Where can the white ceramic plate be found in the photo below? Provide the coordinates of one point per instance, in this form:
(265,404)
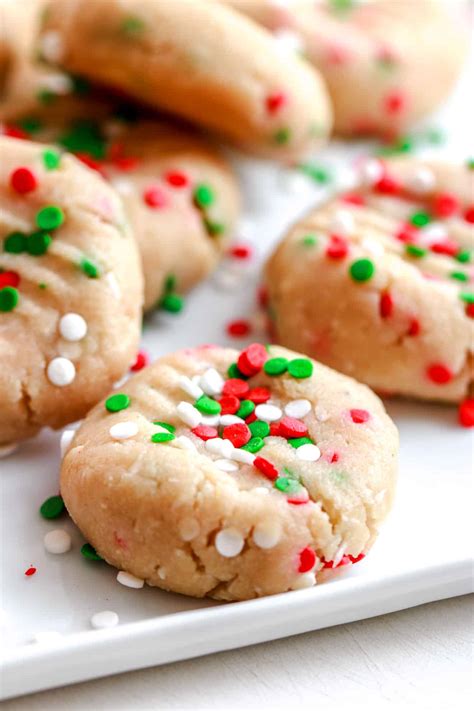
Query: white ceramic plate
(424,552)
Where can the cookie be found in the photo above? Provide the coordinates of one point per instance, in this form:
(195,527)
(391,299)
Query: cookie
(378,283)
(199,60)
(377,58)
(70,289)
(233,476)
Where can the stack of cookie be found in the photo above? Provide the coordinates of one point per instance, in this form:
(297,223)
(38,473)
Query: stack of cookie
(211,472)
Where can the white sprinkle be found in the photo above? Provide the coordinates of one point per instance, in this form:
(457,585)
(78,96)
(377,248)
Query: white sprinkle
(211,382)
(261,490)
(342,223)
(371,171)
(322,415)
(229,542)
(161,573)
(226,279)
(189,529)
(57,83)
(230,420)
(57,541)
(104,620)
(7,449)
(114,285)
(129,580)
(339,555)
(72,327)
(123,186)
(297,408)
(184,443)
(266,535)
(159,428)
(294,182)
(226,465)
(61,371)
(268,413)
(210,420)
(308,453)
(189,387)
(66,440)
(435,232)
(372,246)
(51,46)
(305,580)
(47,636)
(188,414)
(421,181)
(241,455)
(123,430)
(221,447)
(288,42)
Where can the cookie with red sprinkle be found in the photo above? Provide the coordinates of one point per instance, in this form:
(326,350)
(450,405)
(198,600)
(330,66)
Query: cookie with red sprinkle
(181,478)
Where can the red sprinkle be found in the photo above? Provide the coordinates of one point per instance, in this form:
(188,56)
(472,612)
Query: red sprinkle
(407,234)
(266,467)
(470,310)
(205,432)
(414,327)
(90,162)
(14,132)
(337,247)
(466,413)
(262,296)
(395,102)
(251,418)
(237,387)
(447,247)
(23,181)
(238,329)
(229,404)
(274,429)
(302,497)
(469,214)
(359,416)
(334,458)
(386,305)
(238,434)
(30,571)
(126,163)
(241,251)
(258,395)
(141,361)
(445,205)
(439,373)
(307,560)
(274,102)
(251,360)
(291,427)
(387,185)
(9,279)
(176,178)
(155,197)
(353,199)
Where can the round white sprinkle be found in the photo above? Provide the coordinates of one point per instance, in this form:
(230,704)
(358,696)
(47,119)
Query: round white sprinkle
(189,387)
(189,529)
(51,46)
(57,541)
(308,453)
(229,542)
(297,408)
(226,465)
(342,223)
(61,372)
(211,382)
(422,181)
(123,186)
(268,413)
(241,455)
(291,181)
(66,440)
(7,449)
(288,42)
(123,430)
(184,442)
(306,580)
(221,447)
(211,420)
(72,327)
(261,490)
(129,580)
(188,414)
(266,535)
(230,420)
(435,232)
(47,636)
(105,619)
(373,247)
(371,171)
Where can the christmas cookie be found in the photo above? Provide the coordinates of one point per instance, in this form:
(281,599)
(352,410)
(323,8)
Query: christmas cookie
(232,475)
(70,289)
(200,60)
(378,58)
(378,283)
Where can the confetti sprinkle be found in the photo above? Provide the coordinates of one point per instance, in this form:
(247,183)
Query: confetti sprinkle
(104,620)
(466,413)
(50,218)
(129,580)
(72,327)
(229,542)
(23,181)
(57,541)
(439,374)
(9,298)
(117,402)
(88,552)
(61,372)
(124,430)
(362,270)
(52,507)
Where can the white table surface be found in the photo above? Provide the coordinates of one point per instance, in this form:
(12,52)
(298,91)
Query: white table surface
(419,658)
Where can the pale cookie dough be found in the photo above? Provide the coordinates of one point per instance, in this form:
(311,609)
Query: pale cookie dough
(200,60)
(214,473)
(70,289)
(386,62)
(378,283)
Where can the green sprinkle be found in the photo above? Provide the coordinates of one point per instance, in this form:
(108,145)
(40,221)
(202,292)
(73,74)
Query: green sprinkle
(435,136)
(246,408)
(159,437)
(165,425)
(309,241)
(90,553)
(287,485)
(282,136)
(89,268)
(300,368)
(51,159)
(46,97)
(170,283)
(52,507)
(38,243)
(276,366)
(50,218)
(15,243)
(420,219)
(470,164)
(214,229)
(362,270)
(467,297)
(254,445)
(42,285)
(299,441)
(207,406)
(203,195)
(259,429)
(117,402)
(317,173)
(9,298)
(31,124)
(464,256)
(132,25)
(234,372)
(85,136)
(80,86)
(414,251)
(460,276)
(173,303)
